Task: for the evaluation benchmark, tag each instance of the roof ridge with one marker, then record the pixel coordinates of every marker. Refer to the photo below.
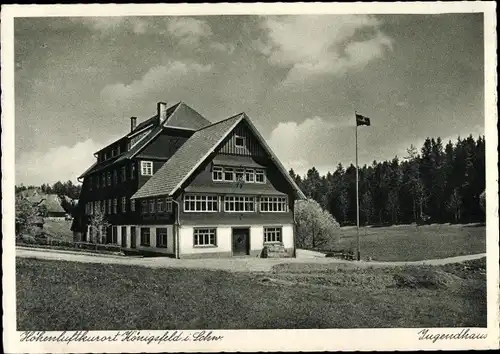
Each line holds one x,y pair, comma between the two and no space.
221,121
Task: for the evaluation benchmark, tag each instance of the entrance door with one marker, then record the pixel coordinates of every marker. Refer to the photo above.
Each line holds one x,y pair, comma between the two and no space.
132,237
241,241
124,237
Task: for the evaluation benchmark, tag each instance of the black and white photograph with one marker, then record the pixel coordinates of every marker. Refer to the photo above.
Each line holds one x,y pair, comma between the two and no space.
247,177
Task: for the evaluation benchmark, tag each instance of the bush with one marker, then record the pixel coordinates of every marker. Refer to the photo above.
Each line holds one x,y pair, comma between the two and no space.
316,227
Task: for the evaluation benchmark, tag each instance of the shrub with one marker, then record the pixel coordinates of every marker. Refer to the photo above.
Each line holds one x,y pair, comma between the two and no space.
316,227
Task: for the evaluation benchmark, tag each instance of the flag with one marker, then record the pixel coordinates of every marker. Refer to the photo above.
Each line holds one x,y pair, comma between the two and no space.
362,120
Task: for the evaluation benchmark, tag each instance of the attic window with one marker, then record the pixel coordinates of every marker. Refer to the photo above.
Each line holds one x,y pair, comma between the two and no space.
239,141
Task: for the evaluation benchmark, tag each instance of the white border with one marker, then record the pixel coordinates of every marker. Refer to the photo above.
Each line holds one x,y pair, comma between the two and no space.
255,340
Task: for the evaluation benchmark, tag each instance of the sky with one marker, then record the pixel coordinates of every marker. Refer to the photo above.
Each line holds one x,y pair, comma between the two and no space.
78,80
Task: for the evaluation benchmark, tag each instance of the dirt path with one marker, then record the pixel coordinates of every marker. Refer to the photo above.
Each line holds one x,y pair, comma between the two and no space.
228,264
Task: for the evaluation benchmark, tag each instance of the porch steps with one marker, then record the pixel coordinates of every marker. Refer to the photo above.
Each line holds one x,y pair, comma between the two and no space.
276,250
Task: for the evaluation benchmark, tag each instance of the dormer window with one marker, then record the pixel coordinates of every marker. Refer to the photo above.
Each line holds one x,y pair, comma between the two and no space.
239,141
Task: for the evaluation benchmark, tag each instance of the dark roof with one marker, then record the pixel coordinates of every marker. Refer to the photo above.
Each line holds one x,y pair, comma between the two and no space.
187,118
179,115
235,161
51,201
171,175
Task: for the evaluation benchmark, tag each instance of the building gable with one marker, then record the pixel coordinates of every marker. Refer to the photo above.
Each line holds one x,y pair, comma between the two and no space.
241,141
204,145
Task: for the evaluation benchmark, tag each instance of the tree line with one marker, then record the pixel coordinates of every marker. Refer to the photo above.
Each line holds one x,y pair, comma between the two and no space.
436,184
60,188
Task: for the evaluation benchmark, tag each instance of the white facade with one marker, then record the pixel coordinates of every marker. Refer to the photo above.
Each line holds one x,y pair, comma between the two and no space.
184,241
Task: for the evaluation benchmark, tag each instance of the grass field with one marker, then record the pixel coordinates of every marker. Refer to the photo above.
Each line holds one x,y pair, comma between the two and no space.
411,243
57,295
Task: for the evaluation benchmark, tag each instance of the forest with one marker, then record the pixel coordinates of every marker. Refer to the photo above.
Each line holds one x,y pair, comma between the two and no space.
435,184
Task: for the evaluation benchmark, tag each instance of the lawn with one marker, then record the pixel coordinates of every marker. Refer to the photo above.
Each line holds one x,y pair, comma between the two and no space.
58,295
411,243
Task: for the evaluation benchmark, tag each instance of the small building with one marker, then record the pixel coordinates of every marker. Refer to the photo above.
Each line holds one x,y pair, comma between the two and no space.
182,186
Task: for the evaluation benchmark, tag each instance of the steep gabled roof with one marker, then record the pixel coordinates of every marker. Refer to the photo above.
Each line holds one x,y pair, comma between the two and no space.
170,177
180,115
180,166
186,118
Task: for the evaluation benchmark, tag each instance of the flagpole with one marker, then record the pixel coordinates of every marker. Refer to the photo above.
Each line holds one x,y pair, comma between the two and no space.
357,191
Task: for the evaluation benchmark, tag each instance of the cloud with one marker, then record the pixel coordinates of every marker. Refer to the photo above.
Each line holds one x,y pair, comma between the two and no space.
57,164
188,30
170,75
313,142
317,45
223,47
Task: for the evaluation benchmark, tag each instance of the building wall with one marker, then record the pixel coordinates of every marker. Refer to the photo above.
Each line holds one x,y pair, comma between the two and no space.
224,241
170,250
251,147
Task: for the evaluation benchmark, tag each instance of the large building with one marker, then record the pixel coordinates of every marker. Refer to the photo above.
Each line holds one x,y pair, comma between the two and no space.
179,185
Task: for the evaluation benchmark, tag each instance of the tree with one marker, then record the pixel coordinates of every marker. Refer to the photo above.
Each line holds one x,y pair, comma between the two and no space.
316,227
98,225
26,217
482,201
454,204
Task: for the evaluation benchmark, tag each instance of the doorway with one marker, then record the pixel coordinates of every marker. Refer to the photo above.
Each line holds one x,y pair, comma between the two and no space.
241,241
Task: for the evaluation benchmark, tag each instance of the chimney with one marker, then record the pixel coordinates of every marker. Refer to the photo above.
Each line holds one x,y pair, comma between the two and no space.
133,123
162,111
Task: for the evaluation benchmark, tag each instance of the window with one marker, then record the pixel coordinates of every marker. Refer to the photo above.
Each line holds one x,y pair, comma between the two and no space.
239,204
90,183
97,206
160,205
113,152
114,235
105,156
168,206
273,204
97,182
145,236
132,170
103,176
144,207
239,141
250,176
123,173
124,205
217,174
115,177
118,150
115,206
205,203
103,206
240,172
259,176
152,206
109,206
132,205
109,178
161,237
205,237
228,174
146,168
272,234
